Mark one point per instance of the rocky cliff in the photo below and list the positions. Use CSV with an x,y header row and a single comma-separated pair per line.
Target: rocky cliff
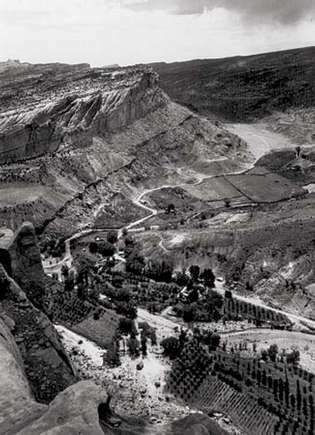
x,y
25,295
72,137
67,108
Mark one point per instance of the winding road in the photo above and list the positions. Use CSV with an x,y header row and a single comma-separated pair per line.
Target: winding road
x,y
260,141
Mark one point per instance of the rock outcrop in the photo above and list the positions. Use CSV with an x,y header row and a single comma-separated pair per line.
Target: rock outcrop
x,y
47,366
16,401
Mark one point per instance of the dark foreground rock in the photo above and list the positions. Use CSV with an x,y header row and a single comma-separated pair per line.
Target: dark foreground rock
x,y
46,364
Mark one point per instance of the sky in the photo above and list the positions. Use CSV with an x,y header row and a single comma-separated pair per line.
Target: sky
x,y
105,32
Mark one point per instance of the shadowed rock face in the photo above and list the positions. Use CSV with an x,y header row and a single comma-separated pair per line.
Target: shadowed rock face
x,y
25,254
27,270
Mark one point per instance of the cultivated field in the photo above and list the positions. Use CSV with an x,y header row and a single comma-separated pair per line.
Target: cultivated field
x,y
287,340
100,331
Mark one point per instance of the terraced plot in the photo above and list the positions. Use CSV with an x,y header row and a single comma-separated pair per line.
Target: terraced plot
x,y
267,188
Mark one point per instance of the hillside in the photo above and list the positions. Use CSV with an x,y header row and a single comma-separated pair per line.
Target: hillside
x,y
243,88
73,137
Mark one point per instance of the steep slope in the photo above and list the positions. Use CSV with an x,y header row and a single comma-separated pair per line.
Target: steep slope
x,y
22,282
244,87
72,137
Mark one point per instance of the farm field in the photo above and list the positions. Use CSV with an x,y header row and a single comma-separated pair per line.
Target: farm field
x,y
213,189
11,195
266,188
101,331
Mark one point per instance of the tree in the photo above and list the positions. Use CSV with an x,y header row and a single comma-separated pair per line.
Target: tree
x,y
93,247
126,308
123,295
69,281
112,357
171,347
161,270
181,278
153,338
84,265
194,271
112,237
125,326
189,313
144,345
65,271
133,346
293,357
105,248
273,352
211,339
264,355
228,294
193,295
208,277
135,262
213,306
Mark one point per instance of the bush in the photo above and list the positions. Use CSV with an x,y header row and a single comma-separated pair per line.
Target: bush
x,y
112,237
125,326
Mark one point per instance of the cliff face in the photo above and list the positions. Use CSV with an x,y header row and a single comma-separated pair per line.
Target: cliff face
x,y
46,363
53,111
72,137
47,366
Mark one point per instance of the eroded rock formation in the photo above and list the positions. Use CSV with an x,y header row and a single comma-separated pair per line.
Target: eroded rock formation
x,y
71,137
47,366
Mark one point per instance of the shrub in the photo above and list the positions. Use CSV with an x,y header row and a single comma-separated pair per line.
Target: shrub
x,y
112,237
125,325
